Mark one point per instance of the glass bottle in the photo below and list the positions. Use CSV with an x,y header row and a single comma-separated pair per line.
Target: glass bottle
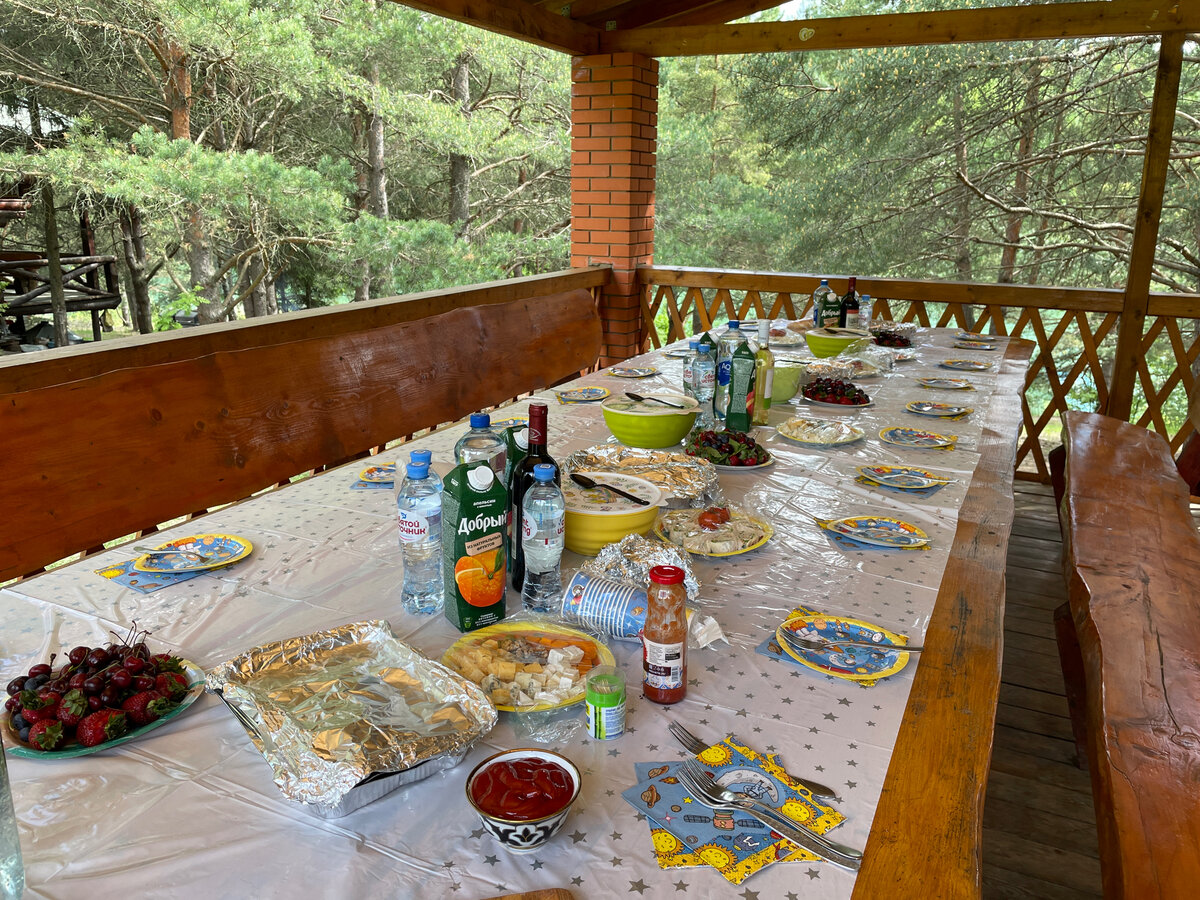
x,y
521,480
481,443
704,380
419,517
764,375
542,529
730,340
848,315
664,637
741,389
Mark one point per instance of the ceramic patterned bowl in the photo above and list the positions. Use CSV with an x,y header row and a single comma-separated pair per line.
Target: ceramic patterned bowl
x,y
647,424
521,835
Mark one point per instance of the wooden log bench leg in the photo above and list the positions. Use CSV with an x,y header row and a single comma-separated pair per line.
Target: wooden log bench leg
x,y
1071,659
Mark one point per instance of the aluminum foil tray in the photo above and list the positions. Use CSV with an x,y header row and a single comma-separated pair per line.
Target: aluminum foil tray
x,y
348,715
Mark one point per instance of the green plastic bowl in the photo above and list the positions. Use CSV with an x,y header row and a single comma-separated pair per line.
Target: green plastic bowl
x,y
650,426
822,344
786,382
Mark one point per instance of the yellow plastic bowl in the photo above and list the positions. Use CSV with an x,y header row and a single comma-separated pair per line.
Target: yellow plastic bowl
x,y
786,382
823,344
650,426
596,518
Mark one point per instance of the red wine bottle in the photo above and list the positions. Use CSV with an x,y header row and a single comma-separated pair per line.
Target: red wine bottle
x,y
848,316
521,480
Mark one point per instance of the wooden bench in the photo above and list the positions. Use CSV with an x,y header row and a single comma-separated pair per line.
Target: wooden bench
x,y
106,441
1129,640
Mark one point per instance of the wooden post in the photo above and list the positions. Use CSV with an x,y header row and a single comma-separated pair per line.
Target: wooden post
x,y
1145,228
614,133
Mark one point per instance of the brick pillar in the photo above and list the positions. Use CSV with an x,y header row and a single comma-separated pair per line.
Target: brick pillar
x,y
614,135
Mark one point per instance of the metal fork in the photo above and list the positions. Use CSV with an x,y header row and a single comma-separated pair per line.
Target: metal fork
x,y
704,789
693,744
190,554
803,643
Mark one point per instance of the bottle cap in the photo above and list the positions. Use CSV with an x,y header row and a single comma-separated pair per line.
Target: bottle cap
x,y
417,470
825,281
481,477
734,324
421,456
543,472
521,436
666,575
692,345
702,348
480,420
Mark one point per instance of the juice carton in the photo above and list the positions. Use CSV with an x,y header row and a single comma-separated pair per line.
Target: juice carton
x,y
474,562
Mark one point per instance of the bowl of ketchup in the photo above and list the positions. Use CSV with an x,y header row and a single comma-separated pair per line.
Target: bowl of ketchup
x,y
523,796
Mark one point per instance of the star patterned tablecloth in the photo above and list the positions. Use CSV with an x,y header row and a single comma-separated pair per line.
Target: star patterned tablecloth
x,y
191,811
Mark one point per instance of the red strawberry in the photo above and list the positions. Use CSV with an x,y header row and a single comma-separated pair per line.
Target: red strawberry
x,y
164,662
171,684
100,726
42,705
46,734
146,706
73,708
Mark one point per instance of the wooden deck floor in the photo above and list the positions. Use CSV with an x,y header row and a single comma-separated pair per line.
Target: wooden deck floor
x,y
1039,838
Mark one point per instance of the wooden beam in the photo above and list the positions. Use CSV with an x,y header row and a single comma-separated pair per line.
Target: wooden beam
x,y
641,13
720,12
965,26
1145,226
513,18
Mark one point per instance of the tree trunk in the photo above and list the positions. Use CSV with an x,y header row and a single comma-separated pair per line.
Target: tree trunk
x,y
58,298
962,215
375,155
362,196
1027,122
269,297
133,242
460,165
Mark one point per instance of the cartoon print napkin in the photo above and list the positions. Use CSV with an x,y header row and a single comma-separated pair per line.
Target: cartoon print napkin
x,y
735,844
143,582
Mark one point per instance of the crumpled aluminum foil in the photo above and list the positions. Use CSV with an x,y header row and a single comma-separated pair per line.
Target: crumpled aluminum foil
x,y
690,481
631,559
330,709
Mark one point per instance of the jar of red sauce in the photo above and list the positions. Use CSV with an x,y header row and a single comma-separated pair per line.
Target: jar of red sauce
x,y
664,637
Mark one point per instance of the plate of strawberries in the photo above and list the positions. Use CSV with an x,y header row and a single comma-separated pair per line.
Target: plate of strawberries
x,y
100,698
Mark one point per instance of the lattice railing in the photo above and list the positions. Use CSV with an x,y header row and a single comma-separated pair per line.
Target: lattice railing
x,y
1075,330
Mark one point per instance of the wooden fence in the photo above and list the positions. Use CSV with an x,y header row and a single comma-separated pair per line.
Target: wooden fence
x,y
1075,330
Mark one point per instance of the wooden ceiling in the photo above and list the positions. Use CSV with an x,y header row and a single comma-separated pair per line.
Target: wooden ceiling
x,y
700,27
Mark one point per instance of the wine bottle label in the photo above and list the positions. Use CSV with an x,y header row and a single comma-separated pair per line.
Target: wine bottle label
x,y
663,665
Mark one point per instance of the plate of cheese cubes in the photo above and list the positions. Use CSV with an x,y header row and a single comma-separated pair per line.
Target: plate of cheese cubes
x,y
528,668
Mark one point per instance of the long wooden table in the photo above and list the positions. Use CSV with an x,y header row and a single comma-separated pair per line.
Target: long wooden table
x,y
191,810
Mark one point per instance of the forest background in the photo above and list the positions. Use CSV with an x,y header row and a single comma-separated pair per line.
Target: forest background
x,y
243,158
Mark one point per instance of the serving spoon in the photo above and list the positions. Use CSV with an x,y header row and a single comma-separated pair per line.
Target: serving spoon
x,y
584,482
632,396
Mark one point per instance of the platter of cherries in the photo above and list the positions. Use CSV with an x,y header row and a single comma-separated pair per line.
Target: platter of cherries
x,y
892,339
835,392
101,697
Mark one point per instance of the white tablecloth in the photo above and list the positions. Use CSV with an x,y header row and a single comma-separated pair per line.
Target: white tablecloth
x,y
191,811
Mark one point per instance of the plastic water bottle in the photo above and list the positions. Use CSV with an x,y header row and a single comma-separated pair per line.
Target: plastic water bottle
x,y
12,872
704,379
864,312
542,523
419,517
687,368
728,342
425,457
482,443
822,298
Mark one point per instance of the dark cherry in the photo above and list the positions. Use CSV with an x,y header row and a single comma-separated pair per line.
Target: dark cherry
x,y
40,669
75,682
134,665
142,650
12,704
144,682
95,703
111,695
93,685
98,658
16,685
122,679
78,655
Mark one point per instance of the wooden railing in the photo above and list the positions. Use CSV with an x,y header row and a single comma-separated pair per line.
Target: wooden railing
x,y
1075,330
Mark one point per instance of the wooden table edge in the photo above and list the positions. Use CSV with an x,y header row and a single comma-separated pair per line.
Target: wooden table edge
x,y
926,837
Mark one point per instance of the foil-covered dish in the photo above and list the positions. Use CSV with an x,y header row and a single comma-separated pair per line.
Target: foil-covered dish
x,y
630,560
689,481
346,715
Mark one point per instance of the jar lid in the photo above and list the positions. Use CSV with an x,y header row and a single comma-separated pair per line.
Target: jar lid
x,y
666,575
